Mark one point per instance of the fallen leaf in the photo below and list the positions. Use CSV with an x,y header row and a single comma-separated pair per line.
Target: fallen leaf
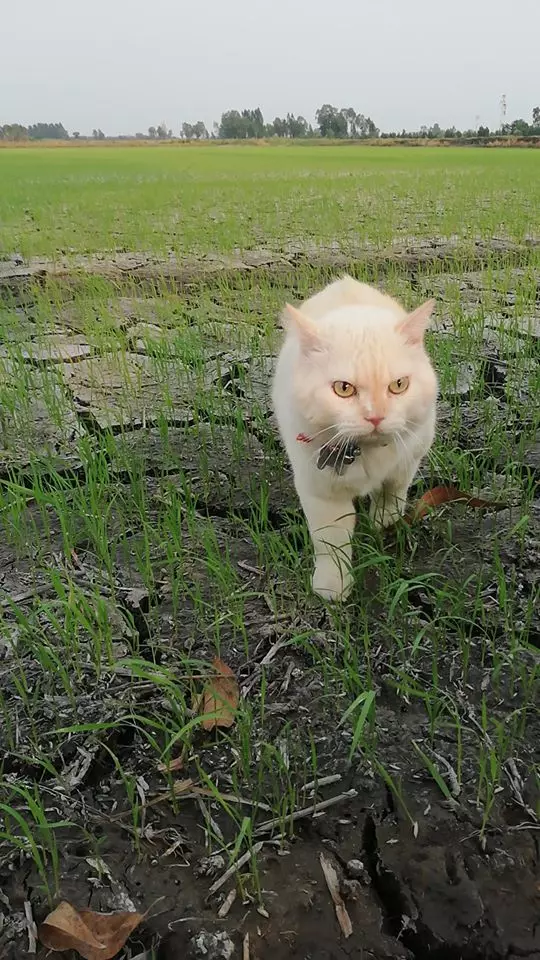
x,y
95,936
448,494
220,697
172,765
75,560
332,882
178,788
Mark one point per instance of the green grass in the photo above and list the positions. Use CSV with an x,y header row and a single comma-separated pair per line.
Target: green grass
x,y
58,202
434,656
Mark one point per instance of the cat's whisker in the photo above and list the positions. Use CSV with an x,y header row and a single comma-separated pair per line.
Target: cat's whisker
x,y
342,452
336,437
333,426
433,457
410,459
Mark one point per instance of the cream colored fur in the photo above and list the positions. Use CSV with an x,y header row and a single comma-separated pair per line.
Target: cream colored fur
x,y
352,332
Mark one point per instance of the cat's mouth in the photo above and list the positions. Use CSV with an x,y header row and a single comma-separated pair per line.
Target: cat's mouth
x,y
374,438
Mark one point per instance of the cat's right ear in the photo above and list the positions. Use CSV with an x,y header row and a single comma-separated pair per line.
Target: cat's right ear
x,y
302,327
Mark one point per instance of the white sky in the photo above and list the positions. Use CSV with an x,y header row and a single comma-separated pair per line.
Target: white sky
x,y
125,64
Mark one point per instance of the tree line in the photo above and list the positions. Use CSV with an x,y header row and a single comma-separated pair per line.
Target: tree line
x,y
338,123
36,131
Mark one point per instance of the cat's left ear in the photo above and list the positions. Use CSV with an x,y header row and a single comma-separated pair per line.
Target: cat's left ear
x,y
303,327
416,323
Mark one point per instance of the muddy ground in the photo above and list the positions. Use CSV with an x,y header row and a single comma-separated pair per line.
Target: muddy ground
x,y
417,883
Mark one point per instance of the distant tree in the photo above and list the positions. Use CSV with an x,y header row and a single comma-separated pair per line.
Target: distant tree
x,y
194,131
253,123
536,116
76,134
483,131
372,131
162,131
349,116
152,132
249,124
331,122
297,126
278,128
13,131
520,128
48,131
199,131
232,126
141,136
241,126
289,126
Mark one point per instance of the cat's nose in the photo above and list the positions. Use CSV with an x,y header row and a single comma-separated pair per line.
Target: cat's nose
x,y
375,420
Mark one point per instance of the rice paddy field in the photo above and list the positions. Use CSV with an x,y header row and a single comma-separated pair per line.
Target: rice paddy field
x,y
186,732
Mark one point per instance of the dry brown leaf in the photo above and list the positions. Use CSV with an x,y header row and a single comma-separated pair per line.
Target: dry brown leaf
x,y
220,697
172,765
448,494
332,882
178,788
95,936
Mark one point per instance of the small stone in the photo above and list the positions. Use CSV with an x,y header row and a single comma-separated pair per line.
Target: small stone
x,y
350,889
210,866
355,869
212,946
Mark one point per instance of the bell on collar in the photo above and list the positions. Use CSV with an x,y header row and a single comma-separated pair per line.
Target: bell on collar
x,y
339,457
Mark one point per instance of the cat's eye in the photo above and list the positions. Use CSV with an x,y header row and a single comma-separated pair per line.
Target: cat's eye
x,y
342,388
399,386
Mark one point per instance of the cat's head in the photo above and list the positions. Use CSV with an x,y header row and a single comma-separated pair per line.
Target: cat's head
x,y
363,369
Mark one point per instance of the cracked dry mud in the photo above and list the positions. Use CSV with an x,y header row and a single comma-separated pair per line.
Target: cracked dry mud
x,y
433,893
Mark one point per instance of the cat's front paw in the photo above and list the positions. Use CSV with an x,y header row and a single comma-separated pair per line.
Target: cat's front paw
x,y
329,581
386,514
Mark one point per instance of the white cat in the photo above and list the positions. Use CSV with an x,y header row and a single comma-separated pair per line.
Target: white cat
x,y
355,395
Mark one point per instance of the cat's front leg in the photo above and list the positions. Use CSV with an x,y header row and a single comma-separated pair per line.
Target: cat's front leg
x,y
388,504
331,524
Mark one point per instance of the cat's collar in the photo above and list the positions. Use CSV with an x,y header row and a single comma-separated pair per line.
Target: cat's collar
x,y
337,456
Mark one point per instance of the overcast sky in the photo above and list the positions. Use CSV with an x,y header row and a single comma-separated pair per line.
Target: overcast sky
x,y
125,64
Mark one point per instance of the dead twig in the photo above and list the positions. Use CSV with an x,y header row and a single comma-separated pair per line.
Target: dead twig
x,y
310,811
235,867
31,927
332,882
227,904
516,785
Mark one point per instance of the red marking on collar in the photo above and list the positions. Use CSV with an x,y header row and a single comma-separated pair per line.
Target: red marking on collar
x,y
303,438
